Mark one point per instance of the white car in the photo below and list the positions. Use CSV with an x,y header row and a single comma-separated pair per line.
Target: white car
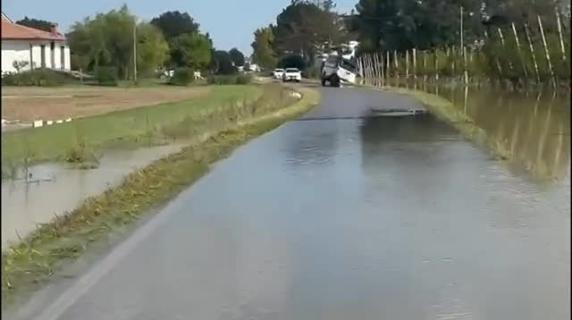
x,y
278,73
292,74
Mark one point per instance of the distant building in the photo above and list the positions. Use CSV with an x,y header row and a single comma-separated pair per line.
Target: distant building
x,y
32,48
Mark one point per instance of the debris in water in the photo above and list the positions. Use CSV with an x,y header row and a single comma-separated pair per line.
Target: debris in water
x,y
395,112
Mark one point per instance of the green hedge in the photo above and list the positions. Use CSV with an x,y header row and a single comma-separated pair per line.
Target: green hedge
x,y
106,76
37,77
230,79
182,77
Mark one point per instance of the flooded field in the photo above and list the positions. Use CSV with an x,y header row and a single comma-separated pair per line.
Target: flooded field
x,y
345,214
532,129
54,189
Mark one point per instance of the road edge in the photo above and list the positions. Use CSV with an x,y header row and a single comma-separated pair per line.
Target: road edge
x,y
30,265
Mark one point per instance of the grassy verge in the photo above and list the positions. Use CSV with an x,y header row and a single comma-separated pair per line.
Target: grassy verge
x,y
29,265
133,126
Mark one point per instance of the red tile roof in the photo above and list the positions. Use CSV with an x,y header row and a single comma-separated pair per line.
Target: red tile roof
x,y
13,31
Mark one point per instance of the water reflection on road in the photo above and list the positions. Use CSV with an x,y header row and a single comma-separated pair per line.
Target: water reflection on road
x,y
532,129
348,216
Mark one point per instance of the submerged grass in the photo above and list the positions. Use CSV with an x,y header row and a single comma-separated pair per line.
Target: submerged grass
x,y
70,141
29,265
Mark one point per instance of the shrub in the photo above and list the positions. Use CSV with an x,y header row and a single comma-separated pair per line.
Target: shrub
x,y
37,77
230,79
182,77
243,79
106,76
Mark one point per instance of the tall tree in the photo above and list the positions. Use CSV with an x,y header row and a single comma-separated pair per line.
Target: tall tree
x,y
107,40
304,28
37,24
223,63
191,50
237,57
152,49
175,23
263,51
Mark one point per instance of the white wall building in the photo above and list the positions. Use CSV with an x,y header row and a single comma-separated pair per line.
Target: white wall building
x,y
33,48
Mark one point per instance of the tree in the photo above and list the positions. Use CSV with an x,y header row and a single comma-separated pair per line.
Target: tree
x,y
191,50
304,28
152,49
223,63
175,23
107,40
292,61
37,24
401,25
263,51
237,57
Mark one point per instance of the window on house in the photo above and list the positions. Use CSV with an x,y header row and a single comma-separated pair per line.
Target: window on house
x,y
62,57
31,57
43,56
53,55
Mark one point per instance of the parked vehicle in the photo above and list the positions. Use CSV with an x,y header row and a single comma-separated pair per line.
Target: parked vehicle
x,y
292,74
337,70
278,74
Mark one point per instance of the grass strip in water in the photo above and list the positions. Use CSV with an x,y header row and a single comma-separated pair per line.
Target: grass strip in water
x,y
29,265
79,140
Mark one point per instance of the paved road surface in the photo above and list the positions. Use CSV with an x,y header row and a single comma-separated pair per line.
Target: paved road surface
x,y
341,215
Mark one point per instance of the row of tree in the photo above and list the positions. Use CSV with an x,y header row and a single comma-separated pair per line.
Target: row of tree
x,y
303,29
171,40
401,25
485,27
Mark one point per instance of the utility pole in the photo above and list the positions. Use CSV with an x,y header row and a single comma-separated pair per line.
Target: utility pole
x,y
135,50
461,31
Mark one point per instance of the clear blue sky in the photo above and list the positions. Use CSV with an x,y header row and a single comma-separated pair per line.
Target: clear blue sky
x,y
231,23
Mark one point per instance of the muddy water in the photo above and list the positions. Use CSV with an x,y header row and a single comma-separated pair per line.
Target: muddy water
x,y
54,189
344,215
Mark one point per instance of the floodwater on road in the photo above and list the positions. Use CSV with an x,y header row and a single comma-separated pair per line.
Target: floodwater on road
x,y
533,128
55,189
344,215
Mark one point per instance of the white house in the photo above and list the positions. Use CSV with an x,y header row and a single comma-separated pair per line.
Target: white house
x,y
32,48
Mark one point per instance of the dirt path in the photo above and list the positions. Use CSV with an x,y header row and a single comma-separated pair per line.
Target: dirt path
x,y
27,103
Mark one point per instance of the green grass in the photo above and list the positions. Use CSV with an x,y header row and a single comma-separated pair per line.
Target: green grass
x,y
28,266
128,127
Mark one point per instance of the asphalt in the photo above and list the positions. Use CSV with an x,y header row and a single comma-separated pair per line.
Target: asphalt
x,y
341,214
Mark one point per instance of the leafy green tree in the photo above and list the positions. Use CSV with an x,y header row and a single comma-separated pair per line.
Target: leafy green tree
x,y
304,28
175,23
191,50
292,61
263,51
106,40
37,24
152,49
237,57
223,63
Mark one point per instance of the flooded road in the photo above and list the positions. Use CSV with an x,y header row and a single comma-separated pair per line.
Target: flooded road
x,y
342,215
55,189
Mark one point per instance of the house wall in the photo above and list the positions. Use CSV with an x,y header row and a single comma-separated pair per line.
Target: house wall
x,y
16,50
67,58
